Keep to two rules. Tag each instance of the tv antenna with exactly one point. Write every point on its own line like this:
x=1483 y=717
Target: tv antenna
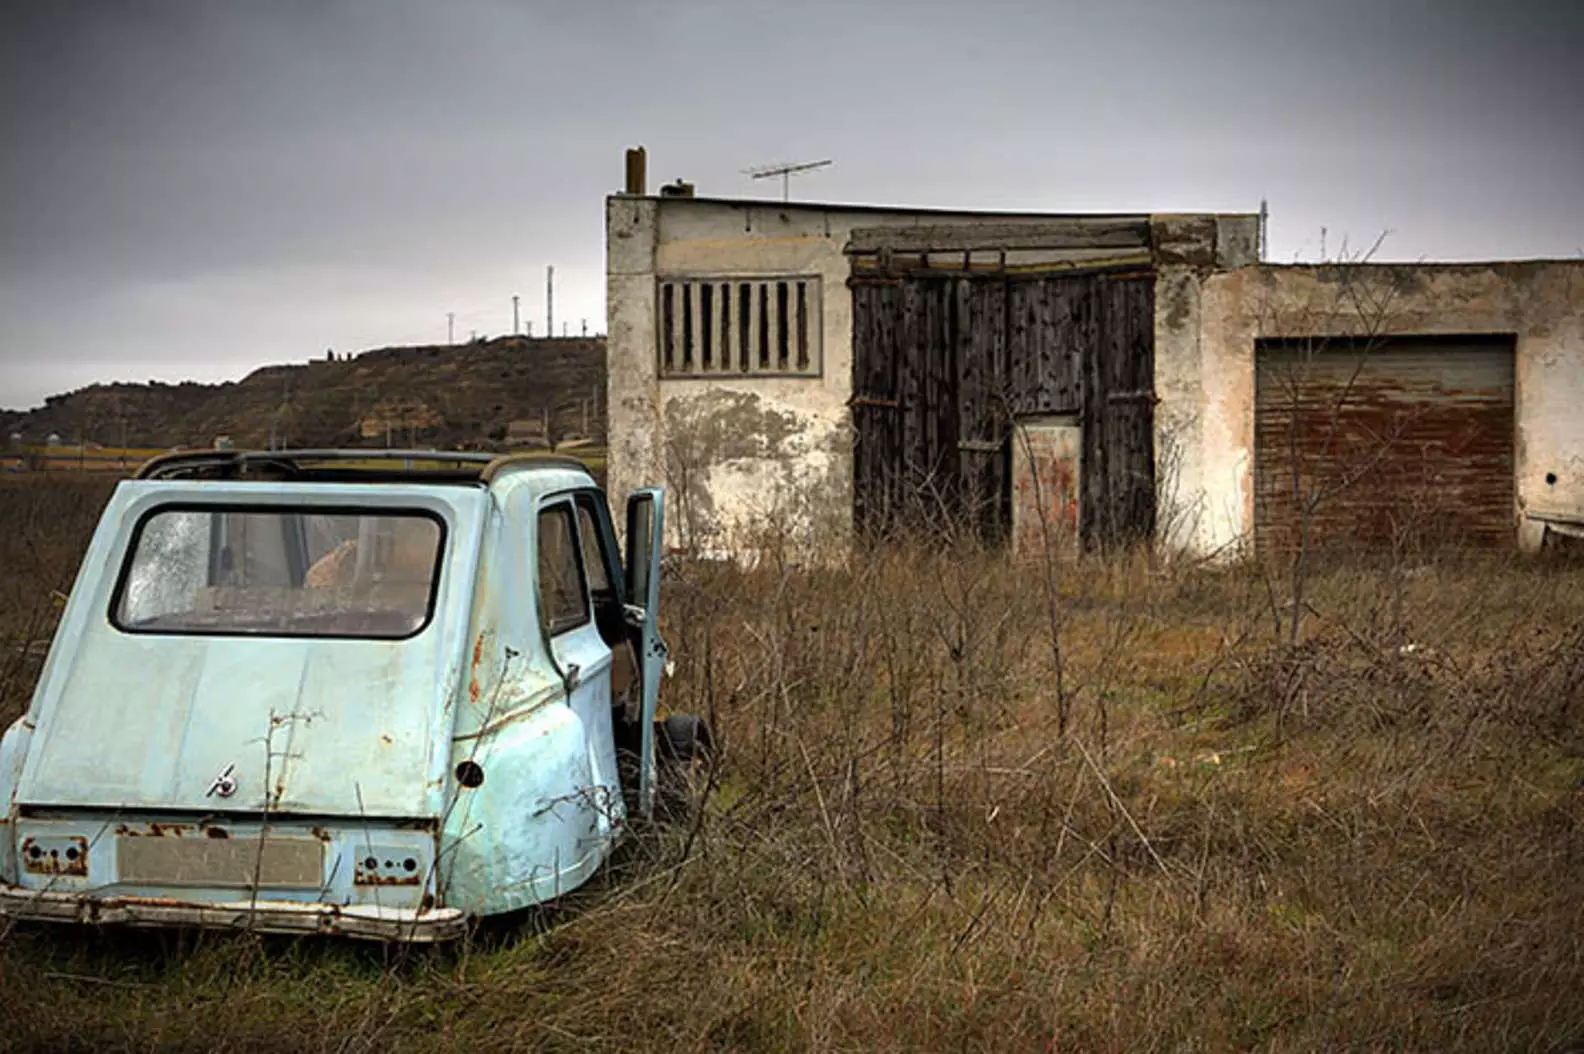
x=785 y=171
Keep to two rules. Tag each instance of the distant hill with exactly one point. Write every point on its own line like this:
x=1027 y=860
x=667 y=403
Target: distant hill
x=466 y=395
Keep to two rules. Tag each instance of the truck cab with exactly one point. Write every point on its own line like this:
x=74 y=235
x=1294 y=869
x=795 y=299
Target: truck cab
x=370 y=693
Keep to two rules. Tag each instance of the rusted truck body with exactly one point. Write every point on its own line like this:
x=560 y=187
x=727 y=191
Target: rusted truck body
x=338 y=691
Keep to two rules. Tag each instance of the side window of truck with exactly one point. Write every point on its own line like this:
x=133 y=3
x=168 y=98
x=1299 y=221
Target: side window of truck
x=563 y=597
x=598 y=561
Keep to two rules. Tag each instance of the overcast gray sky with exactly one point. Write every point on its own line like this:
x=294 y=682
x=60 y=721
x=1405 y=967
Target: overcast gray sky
x=193 y=189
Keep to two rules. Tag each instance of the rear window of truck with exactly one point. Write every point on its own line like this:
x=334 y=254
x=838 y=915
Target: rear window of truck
x=280 y=572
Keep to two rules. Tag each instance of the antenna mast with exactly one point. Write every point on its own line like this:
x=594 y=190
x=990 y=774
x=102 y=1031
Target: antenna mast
x=786 y=172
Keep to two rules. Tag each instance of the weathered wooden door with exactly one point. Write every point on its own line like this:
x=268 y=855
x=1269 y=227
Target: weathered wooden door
x=946 y=366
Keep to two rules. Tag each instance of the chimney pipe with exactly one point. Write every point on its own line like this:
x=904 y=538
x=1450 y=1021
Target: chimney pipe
x=637 y=176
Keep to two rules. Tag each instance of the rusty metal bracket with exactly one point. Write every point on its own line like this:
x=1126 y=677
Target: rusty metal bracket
x=1142 y=395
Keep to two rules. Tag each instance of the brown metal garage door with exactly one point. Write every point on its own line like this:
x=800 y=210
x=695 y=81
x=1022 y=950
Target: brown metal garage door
x=1407 y=441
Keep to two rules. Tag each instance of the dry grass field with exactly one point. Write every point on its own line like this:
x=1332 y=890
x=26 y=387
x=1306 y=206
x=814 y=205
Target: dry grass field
x=957 y=808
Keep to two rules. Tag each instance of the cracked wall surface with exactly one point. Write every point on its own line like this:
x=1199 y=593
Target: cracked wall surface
x=1207 y=323
x=740 y=454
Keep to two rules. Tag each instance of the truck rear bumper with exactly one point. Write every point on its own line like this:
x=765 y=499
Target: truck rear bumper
x=261 y=916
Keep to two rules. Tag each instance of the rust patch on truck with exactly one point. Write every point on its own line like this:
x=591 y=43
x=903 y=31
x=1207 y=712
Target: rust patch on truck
x=147 y=902
x=426 y=823
x=159 y=830
x=474 y=690
x=56 y=856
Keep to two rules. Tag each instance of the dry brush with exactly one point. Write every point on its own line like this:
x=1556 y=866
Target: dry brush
x=1368 y=838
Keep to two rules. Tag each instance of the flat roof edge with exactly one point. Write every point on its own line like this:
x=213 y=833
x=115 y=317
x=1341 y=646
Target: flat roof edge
x=1520 y=261
x=928 y=210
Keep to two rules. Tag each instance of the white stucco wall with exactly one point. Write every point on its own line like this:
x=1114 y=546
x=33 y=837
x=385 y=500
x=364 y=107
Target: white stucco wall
x=742 y=453
x=1188 y=249
x=1207 y=325
x=632 y=381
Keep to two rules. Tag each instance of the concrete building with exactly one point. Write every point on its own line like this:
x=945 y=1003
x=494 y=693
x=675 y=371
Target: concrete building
x=819 y=367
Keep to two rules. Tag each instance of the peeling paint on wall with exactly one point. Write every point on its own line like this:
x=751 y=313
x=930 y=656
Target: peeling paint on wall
x=740 y=453
x=715 y=441
x=1205 y=367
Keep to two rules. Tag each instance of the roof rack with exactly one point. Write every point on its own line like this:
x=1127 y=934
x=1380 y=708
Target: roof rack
x=348 y=465
x=237 y=462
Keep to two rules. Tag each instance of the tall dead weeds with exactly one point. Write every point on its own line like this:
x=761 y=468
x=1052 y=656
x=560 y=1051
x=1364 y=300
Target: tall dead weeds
x=1370 y=838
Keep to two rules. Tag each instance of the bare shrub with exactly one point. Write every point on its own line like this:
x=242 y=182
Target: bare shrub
x=900 y=848
x=45 y=525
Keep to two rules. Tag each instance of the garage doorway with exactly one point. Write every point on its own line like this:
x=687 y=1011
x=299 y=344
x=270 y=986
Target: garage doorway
x=1384 y=443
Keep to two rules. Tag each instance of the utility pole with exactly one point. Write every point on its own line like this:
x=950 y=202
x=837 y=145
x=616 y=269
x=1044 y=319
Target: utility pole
x=514 y=314
x=450 y=327
x=585 y=327
x=550 y=301
x=285 y=413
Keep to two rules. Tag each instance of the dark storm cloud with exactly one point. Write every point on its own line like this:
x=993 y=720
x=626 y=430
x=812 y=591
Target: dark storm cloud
x=191 y=189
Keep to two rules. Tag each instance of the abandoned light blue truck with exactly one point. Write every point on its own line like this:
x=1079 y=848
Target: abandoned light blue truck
x=339 y=691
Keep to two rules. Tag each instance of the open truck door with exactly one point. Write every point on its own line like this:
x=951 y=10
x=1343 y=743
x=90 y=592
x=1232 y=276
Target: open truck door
x=645 y=547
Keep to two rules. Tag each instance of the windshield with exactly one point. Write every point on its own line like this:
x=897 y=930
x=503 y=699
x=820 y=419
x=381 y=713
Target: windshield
x=280 y=572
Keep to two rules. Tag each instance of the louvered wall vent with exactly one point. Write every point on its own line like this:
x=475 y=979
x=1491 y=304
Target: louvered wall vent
x=713 y=327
